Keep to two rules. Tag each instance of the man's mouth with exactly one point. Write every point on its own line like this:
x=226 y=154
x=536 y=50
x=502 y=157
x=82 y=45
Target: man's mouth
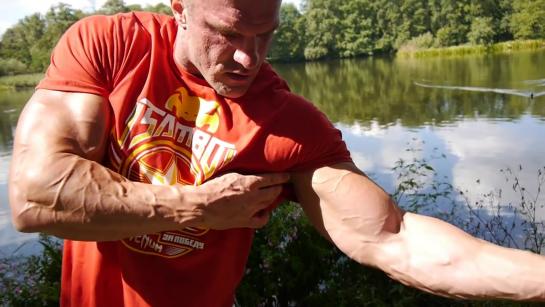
x=238 y=76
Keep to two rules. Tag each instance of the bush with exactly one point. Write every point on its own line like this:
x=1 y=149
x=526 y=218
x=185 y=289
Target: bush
x=11 y=67
x=445 y=36
x=423 y=41
x=292 y=265
x=20 y=81
x=482 y=31
x=32 y=281
x=315 y=53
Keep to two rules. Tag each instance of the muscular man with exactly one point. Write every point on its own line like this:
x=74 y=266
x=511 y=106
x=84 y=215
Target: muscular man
x=154 y=146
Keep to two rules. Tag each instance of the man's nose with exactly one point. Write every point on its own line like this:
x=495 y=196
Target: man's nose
x=247 y=53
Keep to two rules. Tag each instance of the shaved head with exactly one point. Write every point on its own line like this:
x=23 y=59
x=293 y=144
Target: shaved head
x=224 y=41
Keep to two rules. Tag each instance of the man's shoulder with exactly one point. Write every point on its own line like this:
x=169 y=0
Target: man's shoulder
x=125 y=22
x=268 y=81
x=272 y=97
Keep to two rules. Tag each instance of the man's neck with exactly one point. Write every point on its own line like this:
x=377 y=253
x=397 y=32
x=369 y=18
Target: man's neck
x=181 y=58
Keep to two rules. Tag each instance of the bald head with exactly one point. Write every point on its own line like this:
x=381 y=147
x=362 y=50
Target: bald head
x=224 y=41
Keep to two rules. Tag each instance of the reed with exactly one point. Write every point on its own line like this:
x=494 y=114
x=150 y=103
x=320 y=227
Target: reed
x=462 y=50
x=20 y=81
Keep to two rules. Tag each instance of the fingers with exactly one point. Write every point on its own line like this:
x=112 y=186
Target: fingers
x=272 y=179
x=267 y=196
x=235 y=200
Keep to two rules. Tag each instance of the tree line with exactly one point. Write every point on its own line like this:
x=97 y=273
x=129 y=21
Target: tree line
x=349 y=28
x=26 y=47
x=320 y=28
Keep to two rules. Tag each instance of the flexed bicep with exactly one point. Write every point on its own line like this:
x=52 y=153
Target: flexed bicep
x=54 y=122
x=347 y=207
x=55 y=132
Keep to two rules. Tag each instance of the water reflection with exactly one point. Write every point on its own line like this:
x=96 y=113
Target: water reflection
x=384 y=90
x=11 y=241
x=380 y=111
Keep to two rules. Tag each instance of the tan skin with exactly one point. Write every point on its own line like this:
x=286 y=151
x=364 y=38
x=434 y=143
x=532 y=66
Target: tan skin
x=58 y=187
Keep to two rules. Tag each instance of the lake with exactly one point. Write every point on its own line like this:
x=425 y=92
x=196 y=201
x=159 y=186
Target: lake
x=469 y=118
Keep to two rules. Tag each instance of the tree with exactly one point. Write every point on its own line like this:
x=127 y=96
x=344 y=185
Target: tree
x=321 y=24
x=356 y=30
x=287 y=42
x=112 y=7
x=57 y=20
x=18 y=40
x=387 y=14
x=482 y=31
x=160 y=8
x=11 y=67
x=528 y=19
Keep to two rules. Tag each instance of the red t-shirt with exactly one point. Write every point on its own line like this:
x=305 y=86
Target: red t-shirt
x=173 y=128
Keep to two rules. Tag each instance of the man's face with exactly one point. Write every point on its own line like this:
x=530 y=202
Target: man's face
x=225 y=41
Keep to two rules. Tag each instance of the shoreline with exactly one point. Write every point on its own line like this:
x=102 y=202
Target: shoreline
x=463 y=50
x=20 y=82
x=30 y=80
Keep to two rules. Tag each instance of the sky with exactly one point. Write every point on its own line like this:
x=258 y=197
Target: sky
x=14 y=10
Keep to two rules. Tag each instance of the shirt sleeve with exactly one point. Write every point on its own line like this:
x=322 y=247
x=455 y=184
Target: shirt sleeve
x=84 y=59
x=319 y=143
x=305 y=137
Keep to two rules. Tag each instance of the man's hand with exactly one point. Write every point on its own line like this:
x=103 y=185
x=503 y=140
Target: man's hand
x=234 y=200
x=57 y=185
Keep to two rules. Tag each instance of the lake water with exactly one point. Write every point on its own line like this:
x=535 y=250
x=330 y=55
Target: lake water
x=474 y=113
x=11 y=241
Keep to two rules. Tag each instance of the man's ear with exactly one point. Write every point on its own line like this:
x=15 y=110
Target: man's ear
x=179 y=13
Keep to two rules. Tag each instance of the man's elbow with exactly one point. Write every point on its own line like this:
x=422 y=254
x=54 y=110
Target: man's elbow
x=25 y=190
x=22 y=223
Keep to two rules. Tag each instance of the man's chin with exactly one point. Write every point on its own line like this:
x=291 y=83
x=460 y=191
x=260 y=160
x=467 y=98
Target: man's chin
x=231 y=91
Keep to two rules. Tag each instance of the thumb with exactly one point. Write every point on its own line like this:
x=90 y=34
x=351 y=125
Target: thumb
x=260 y=219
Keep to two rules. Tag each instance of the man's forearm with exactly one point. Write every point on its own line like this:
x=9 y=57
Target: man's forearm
x=420 y=251
x=79 y=199
x=439 y=258
x=57 y=186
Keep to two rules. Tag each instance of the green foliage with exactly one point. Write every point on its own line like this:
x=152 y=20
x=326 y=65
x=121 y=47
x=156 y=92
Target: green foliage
x=291 y=265
x=19 y=39
x=503 y=47
x=30 y=41
x=159 y=8
x=423 y=41
x=287 y=43
x=112 y=7
x=11 y=67
x=445 y=37
x=32 y=281
x=323 y=28
x=356 y=34
x=528 y=19
x=20 y=81
x=482 y=31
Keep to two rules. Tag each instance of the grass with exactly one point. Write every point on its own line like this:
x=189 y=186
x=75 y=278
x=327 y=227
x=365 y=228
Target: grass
x=20 y=81
x=462 y=50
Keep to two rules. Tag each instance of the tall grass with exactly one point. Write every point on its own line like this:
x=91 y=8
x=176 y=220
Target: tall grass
x=20 y=81
x=291 y=265
x=504 y=47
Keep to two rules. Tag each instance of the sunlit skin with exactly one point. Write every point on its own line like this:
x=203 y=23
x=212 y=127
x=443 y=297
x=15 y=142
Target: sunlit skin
x=226 y=48
x=58 y=186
